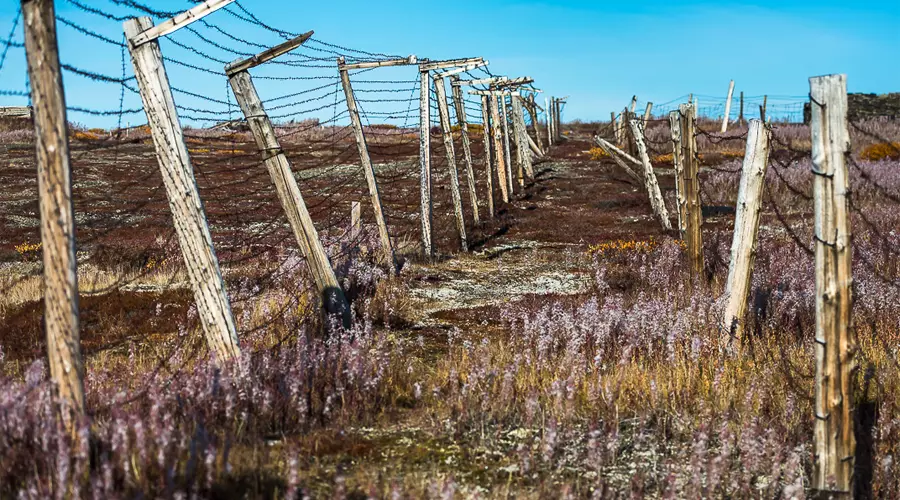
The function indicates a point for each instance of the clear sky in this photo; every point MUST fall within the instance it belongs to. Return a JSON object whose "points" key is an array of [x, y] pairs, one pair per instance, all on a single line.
{"points": [[598, 53]]}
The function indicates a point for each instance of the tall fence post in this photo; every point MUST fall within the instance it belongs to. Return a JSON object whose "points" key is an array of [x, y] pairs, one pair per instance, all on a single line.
{"points": [[762, 109], [427, 209], [835, 443], [678, 163], [728, 107], [57, 215], [647, 111], [369, 171], [444, 115], [550, 124], [489, 175], [355, 220], [497, 131], [746, 232], [279, 167], [524, 152], [460, 106], [184, 197], [741, 115], [650, 183], [504, 127], [531, 106], [693, 209]]}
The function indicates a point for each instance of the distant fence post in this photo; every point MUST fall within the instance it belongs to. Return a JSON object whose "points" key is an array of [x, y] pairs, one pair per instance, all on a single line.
{"points": [[656, 199], [504, 127], [741, 115], [497, 131], [834, 440], [524, 151], [444, 115], [728, 107], [549, 113], [184, 197], [460, 106], [647, 112], [427, 217], [279, 167], [531, 106], [762, 109], [488, 169], [61, 320], [746, 231], [678, 163], [693, 212]]}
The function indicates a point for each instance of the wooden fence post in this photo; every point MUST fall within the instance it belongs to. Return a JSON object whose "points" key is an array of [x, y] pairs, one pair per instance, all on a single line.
{"points": [[497, 132], [460, 106], [617, 154], [504, 126], [279, 167], [355, 220], [741, 115], [647, 112], [678, 161], [746, 231], [762, 109], [531, 106], [835, 444], [369, 171], [693, 212], [57, 215], [523, 150], [444, 115], [550, 125], [184, 197], [557, 107], [427, 211], [656, 199], [728, 107], [486, 120], [633, 104]]}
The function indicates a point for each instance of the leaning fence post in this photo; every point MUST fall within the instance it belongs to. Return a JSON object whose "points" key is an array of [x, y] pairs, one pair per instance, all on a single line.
{"points": [[504, 127], [497, 132], [184, 197], [444, 115], [656, 199], [426, 216], [693, 209], [489, 175], [279, 167], [355, 221], [728, 107], [678, 163], [834, 441], [531, 106], [366, 161], [57, 215], [746, 231], [460, 106]]}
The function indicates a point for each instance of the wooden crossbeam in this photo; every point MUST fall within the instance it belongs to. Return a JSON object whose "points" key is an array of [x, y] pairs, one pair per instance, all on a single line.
{"points": [[267, 55], [498, 93], [515, 82], [15, 111], [481, 81], [378, 64], [178, 22], [461, 69], [427, 65]]}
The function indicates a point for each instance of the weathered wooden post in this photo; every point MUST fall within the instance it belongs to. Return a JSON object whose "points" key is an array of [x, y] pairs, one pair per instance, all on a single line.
{"points": [[57, 215], [834, 440], [279, 167], [558, 111], [647, 112], [497, 131], [762, 109], [693, 212], [741, 115], [460, 107], [617, 155], [678, 163], [746, 231], [523, 151], [444, 115], [656, 199], [728, 107], [550, 124], [489, 175], [386, 245], [191, 227], [504, 126], [633, 104], [531, 106], [355, 220], [426, 216]]}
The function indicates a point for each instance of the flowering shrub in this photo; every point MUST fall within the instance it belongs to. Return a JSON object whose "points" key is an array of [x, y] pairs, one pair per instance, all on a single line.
{"points": [[881, 151]]}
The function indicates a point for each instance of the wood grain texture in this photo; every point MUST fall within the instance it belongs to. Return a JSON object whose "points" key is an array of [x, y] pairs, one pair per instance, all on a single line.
{"points": [[440, 91], [497, 131], [657, 203], [460, 107], [486, 120], [426, 205]]}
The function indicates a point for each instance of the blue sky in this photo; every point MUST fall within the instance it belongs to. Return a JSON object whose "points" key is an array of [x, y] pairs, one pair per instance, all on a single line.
{"points": [[598, 53]]}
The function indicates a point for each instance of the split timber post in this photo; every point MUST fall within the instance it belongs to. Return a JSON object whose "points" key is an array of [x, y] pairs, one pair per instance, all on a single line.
{"points": [[531, 106], [386, 246], [693, 214], [427, 207], [728, 107], [678, 161], [460, 107], [507, 153], [279, 167], [486, 120], [656, 199], [522, 136], [181, 186], [497, 131], [647, 112], [834, 440], [61, 320], [444, 115], [746, 232]]}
